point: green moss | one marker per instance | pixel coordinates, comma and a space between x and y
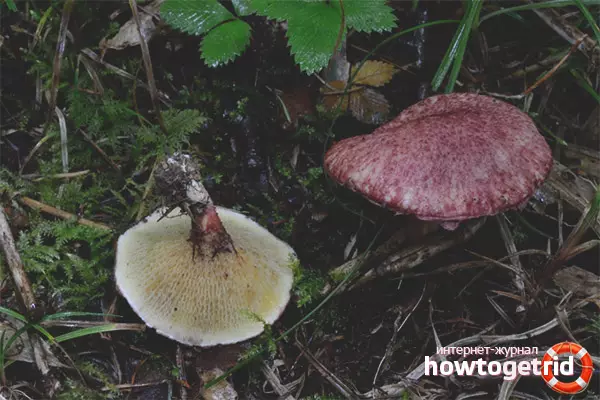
73, 390
70, 260
308, 284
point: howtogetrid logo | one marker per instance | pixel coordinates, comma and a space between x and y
550, 368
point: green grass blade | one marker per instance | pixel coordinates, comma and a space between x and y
590, 18
4, 347
89, 331
471, 15
448, 58
585, 84
43, 331
13, 314
535, 6
559, 140
71, 314
11, 5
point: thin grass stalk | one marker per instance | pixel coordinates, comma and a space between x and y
148, 67
570, 246
471, 15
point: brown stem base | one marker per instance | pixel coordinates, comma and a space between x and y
208, 234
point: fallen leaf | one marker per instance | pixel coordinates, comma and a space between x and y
298, 104
581, 282
332, 95
128, 35
21, 349
373, 73
221, 391
369, 106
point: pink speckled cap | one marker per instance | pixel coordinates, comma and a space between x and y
447, 158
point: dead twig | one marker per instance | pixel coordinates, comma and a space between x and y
398, 325
56, 68
118, 71
571, 247
283, 391
58, 55
181, 378
129, 386
569, 32
336, 382
100, 151
148, 66
67, 175
556, 67
511, 248
29, 202
417, 254
573, 189
24, 294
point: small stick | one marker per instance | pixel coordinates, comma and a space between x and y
29, 202
23, 289
148, 66
181, 378
64, 175
511, 248
415, 255
129, 386
100, 151
555, 68
568, 32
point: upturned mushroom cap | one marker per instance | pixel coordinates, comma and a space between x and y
447, 158
204, 301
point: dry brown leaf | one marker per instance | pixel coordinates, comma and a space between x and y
579, 281
21, 349
128, 35
298, 104
332, 95
220, 391
373, 73
369, 106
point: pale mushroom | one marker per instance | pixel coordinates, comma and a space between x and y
212, 279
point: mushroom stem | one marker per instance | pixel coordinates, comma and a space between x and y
178, 179
208, 233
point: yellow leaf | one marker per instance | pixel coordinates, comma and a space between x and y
373, 73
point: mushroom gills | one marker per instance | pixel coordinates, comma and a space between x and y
204, 300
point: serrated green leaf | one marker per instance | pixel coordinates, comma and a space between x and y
225, 42
312, 34
313, 28
11, 5
243, 7
195, 17
273, 9
369, 16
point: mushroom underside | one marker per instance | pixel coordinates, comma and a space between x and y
200, 300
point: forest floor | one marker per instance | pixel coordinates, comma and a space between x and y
80, 137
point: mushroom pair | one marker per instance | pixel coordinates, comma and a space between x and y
205, 275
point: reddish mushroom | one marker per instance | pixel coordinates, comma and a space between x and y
448, 158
